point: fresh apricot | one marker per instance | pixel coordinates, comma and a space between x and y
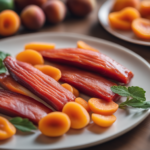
9, 22
54, 124
7, 130
51, 71
122, 20
121, 4
83, 102
78, 115
30, 56
83, 45
38, 46
103, 121
145, 9
71, 89
141, 28
102, 107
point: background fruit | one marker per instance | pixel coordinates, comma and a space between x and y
120, 4
32, 17
9, 22
55, 11
21, 4
6, 4
81, 8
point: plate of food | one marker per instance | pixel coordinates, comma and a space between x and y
39, 78
115, 17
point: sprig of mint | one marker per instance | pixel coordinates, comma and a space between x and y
23, 125
135, 96
3, 55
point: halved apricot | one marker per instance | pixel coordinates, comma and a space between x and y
122, 20
102, 107
54, 124
141, 28
30, 56
51, 71
7, 129
83, 102
38, 46
145, 9
103, 121
83, 45
78, 115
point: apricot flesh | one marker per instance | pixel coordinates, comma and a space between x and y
103, 121
9, 22
122, 20
145, 9
38, 46
54, 124
30, 56
121, 4
51, 71
7, 130
141, 28
78, 115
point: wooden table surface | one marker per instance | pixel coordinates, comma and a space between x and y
139, 137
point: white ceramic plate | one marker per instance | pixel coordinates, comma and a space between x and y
124, 35
92, 134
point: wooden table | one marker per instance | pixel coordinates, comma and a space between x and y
139, 137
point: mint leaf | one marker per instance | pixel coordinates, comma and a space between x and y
137, 93
2, 66
120, 90
23, 124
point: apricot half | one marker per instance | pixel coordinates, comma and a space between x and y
145, 9
6, 129
141, 28
78, 115
103, 121
122, 20
54, 124
9, 22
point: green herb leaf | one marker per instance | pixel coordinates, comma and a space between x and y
2, 57
23, 124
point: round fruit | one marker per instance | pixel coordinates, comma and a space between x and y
6, 4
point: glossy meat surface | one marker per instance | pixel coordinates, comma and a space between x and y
40, 84
88, 83
89, 60
14, 104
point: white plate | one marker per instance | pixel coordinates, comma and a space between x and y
92, 134
124, 35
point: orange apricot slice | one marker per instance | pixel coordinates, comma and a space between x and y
30, 56
78, 115
83, 45
122, 20
83, 102
75, 92
141, 28
103, 121
145, 9
102, 107
9, 22
39, 46
54, 124
51, 71
7, 129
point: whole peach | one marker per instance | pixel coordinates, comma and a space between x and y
55, 11
120, 4
81, 8
32, 17
21, 4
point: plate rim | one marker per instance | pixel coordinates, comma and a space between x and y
116, 34
105, 42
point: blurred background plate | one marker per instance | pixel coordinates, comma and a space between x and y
124, 35
92, 134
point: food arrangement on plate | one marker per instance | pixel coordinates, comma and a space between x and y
131, 15
82, 69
